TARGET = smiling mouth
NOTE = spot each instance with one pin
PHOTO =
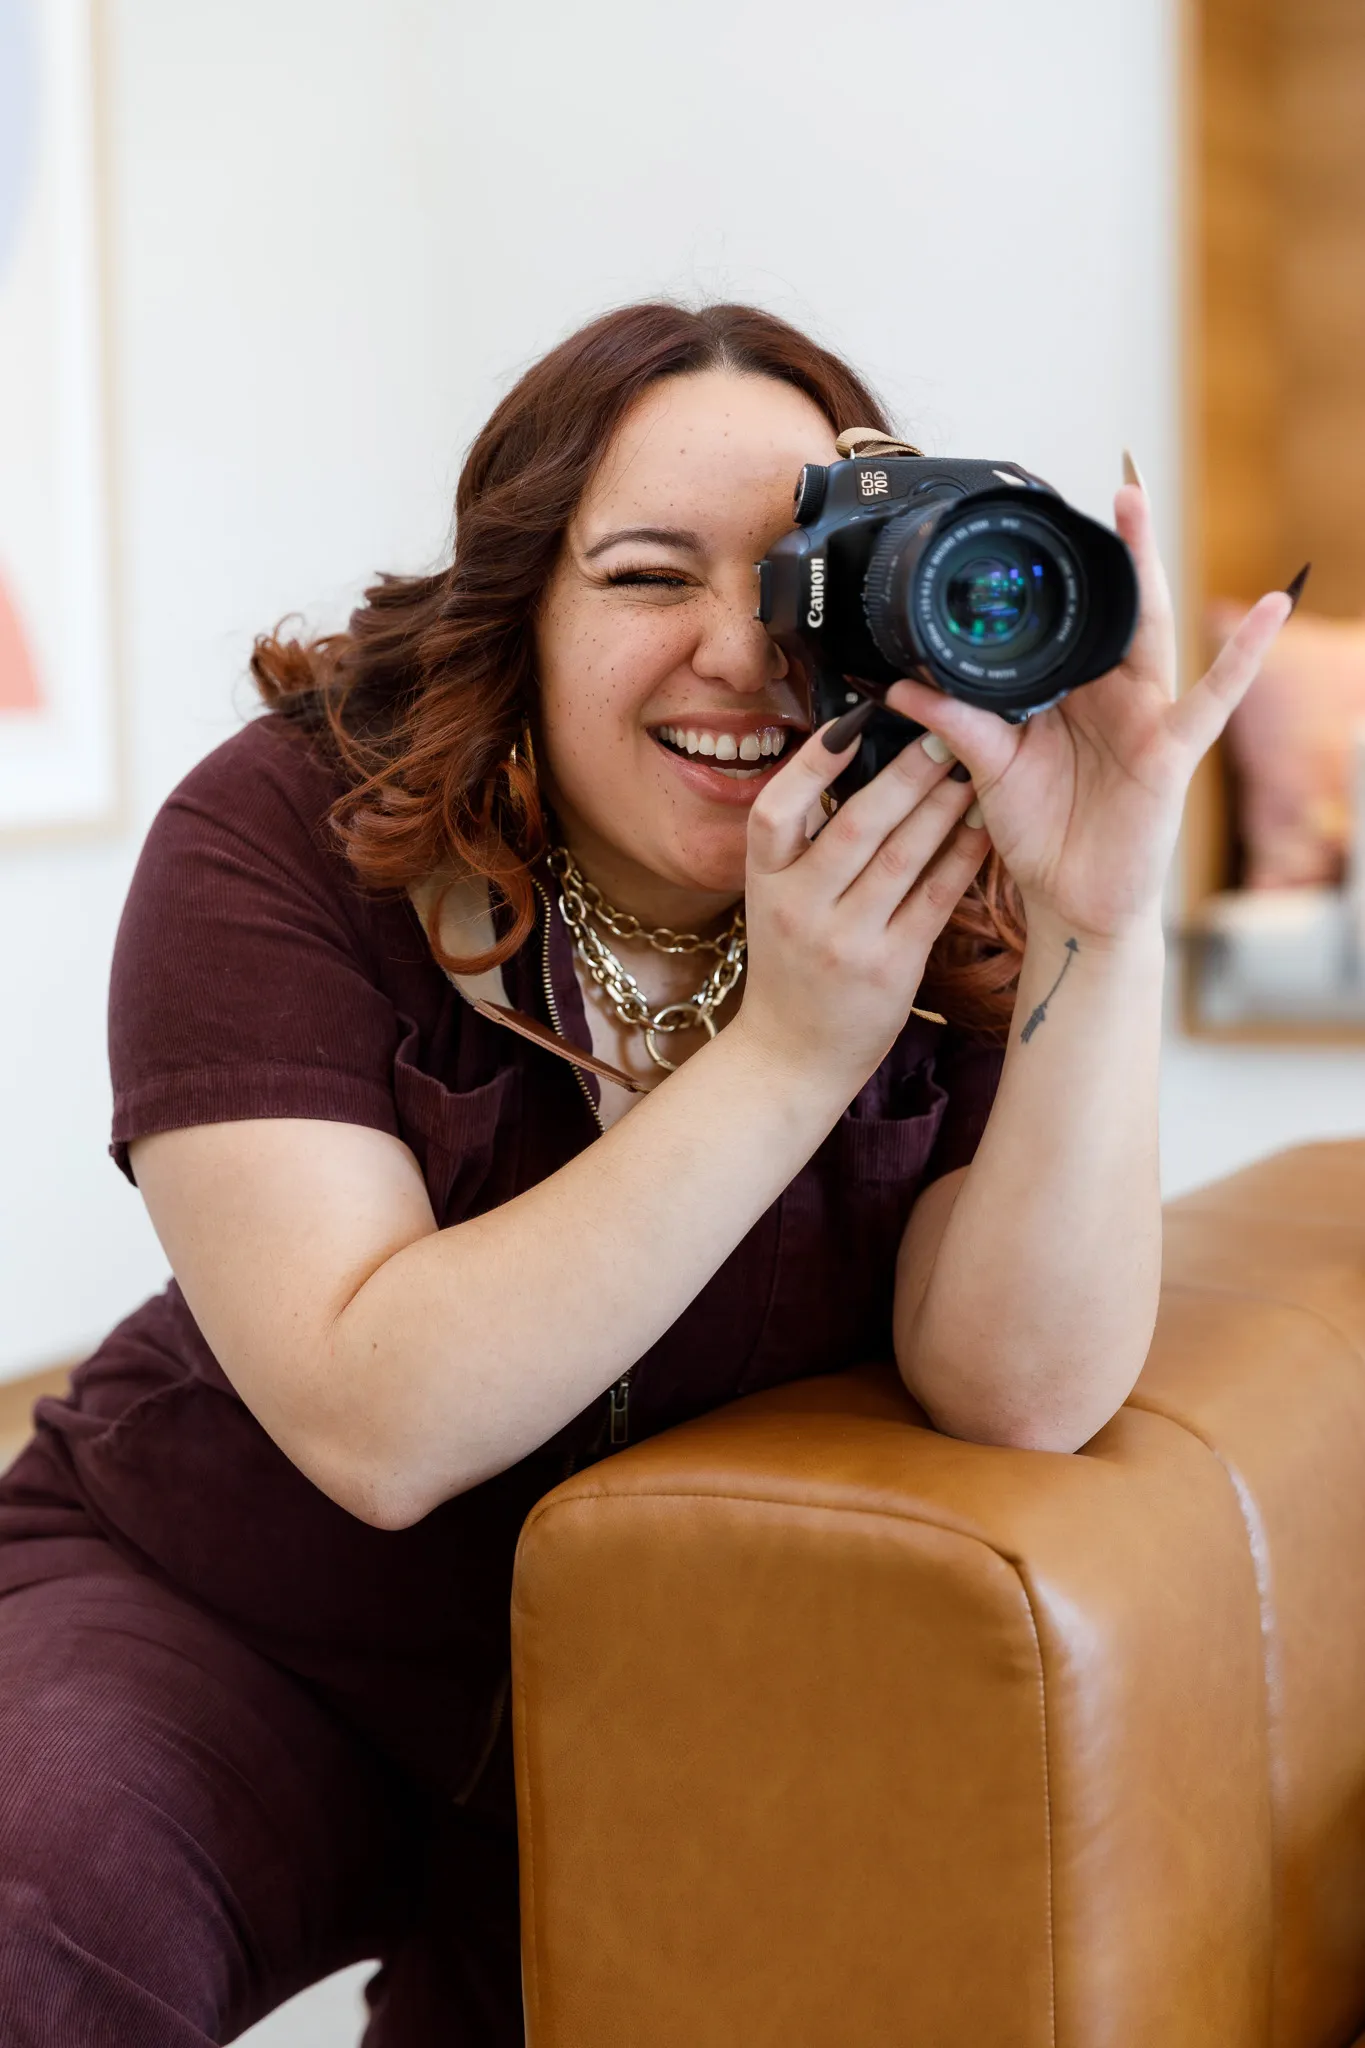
(740, 758)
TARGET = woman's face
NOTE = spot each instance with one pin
(664, 706)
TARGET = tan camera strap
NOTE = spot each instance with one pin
(467, 927)
(861, 441)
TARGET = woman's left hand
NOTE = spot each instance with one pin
(1083, 801)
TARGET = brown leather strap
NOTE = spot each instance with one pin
(871, 442)
(540, 1034)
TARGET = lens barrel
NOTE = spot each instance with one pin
(973, 576)
(990, 595)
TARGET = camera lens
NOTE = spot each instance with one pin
(999, 600)
(990, 595)
(987, 600)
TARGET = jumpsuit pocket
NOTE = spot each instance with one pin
(841, 1221)
(892, 1147)
(879, 1169)
(454, 1136)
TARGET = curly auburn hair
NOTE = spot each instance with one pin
(426, 691)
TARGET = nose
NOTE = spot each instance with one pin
(733, 647)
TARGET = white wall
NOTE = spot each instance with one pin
(342, 227)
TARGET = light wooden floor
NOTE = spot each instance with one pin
(16, 1404)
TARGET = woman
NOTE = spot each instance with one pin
(253, 1644)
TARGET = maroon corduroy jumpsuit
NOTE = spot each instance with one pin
(246, 1738)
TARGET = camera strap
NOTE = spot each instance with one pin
(467, 927)
(856, 441)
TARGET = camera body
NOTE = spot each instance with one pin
(976, 577)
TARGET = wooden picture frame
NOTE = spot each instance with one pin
(62, 722)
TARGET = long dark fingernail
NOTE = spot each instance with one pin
(959, 772)
(848, 727)
(1294, 591)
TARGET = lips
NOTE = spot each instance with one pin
(725, 756)
(726, 761)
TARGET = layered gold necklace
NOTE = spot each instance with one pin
(584, 908)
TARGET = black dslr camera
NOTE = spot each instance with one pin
(973, 576)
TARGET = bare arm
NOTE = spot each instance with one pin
(1027, 1285)
(1036, 1317)
(398, 1364)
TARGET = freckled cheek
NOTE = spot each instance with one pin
(600, 680)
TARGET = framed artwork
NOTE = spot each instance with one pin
(60, 738)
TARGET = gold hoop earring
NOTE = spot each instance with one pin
(523, 749)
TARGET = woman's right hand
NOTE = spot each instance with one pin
(841, 926)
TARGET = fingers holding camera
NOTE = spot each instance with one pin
(912, 802)
(895, 846)
(832, 972)
(984, 743)
(777, 821)
(778, 836)
(939, 887)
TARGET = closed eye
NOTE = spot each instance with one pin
(647, 579)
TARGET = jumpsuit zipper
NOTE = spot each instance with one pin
(618, 1395)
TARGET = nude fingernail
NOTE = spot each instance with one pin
(1131, 473)
(935, 748)
(974, 817)
(846, 729)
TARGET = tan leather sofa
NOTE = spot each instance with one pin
(833, 1732)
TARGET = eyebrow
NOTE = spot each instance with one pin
(657, 536)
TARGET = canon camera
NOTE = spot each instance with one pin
(973, 576)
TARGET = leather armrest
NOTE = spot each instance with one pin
(834, 1732)
(1260, 1354)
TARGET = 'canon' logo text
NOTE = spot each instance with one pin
(816, 615)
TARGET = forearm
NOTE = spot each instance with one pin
(466, 1349)
(1039, 1308)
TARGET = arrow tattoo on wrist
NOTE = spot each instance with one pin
(1072, 949)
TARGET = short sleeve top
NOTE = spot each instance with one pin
(254, 977)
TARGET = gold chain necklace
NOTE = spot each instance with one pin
(581, 904)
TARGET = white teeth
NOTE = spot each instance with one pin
(723, 746)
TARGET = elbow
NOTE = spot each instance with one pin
(389, 1500)
(1017, 1416)
(387, 1512)
(368, 1499)
(381, 1499)
(376, 1478)
(1024, 1433)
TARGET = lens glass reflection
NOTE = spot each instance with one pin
(987, 599)
(1000, 596)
